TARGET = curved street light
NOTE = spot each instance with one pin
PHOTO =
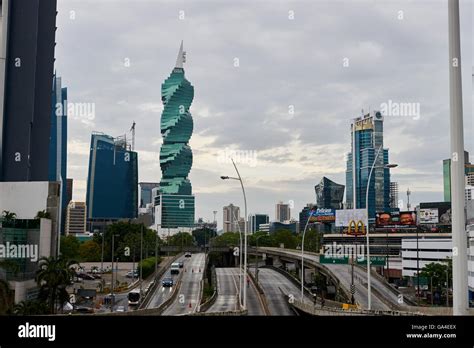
(369, 288)
(245, 228)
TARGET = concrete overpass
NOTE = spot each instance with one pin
(384, 297)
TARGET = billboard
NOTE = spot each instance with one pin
(444, 211)
(428, 216)
(322, 215)
(398, 219)
(345, 216)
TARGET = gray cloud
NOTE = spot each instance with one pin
(283, 64)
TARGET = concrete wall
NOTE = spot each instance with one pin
(24, 199)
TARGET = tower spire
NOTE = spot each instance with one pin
(181, 57)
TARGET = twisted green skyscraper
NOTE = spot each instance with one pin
(176, 157)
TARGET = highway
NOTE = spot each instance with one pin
(271, 282)
(343, 273)
(227, 290)
(161, 293)
(189, 292)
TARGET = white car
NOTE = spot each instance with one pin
(120, 309)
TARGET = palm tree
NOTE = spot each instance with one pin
(30, 308)
(43, 215)
(6, 295)
(8, 216)
(53, 276)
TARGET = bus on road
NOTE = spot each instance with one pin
(134, 297)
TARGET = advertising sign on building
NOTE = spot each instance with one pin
(428, 216)
(395, 219)
(443, 209)
(345, 216)
(323, 215)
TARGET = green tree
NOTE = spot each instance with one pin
(264, 239)
(203, 235)
(287, 238)
(8, 216)
(436, 272)
(33, 307)
(43, 215)
(70, 247)
(312, 240)
(6, 295)
(121, 230)
(229, 239)
(53, 276)
(90, 251)
(181, 239)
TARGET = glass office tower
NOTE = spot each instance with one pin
(176, 202)
(58, 143)
(28, 30)
(112, 183)
(367, 139)
(329, 195)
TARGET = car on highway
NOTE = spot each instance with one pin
(167, 282)
(187, 254)
(181, 264)
(120, 309)
(175, 268)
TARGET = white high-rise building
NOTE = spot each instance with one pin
(76, 218)
(231, 218)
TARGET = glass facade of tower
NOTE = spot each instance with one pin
(58, 142)
(176, 157)
(176, 210)
(176, 202)
(255, 220)
(28, 29)
(329, 195)
(468, 169)
(112, 184)
(367, 139)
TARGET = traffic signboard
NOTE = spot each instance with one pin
(374, 260)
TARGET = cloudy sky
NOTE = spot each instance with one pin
(279, 81)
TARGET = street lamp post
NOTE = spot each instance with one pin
(417, 268)
(241, 283)
(369, 289)
(245, 229)
(102, 256)
(141, 259)
(112, 269)
(256, 258)
(302, 255)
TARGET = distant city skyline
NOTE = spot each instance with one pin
(283, 91)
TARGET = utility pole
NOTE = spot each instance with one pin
(460, 274)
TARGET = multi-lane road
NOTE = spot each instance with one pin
(275, 286)
(189, 288)
(343, 273)
(227, 293)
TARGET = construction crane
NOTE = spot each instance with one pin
(408, 199)
(133, 135)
